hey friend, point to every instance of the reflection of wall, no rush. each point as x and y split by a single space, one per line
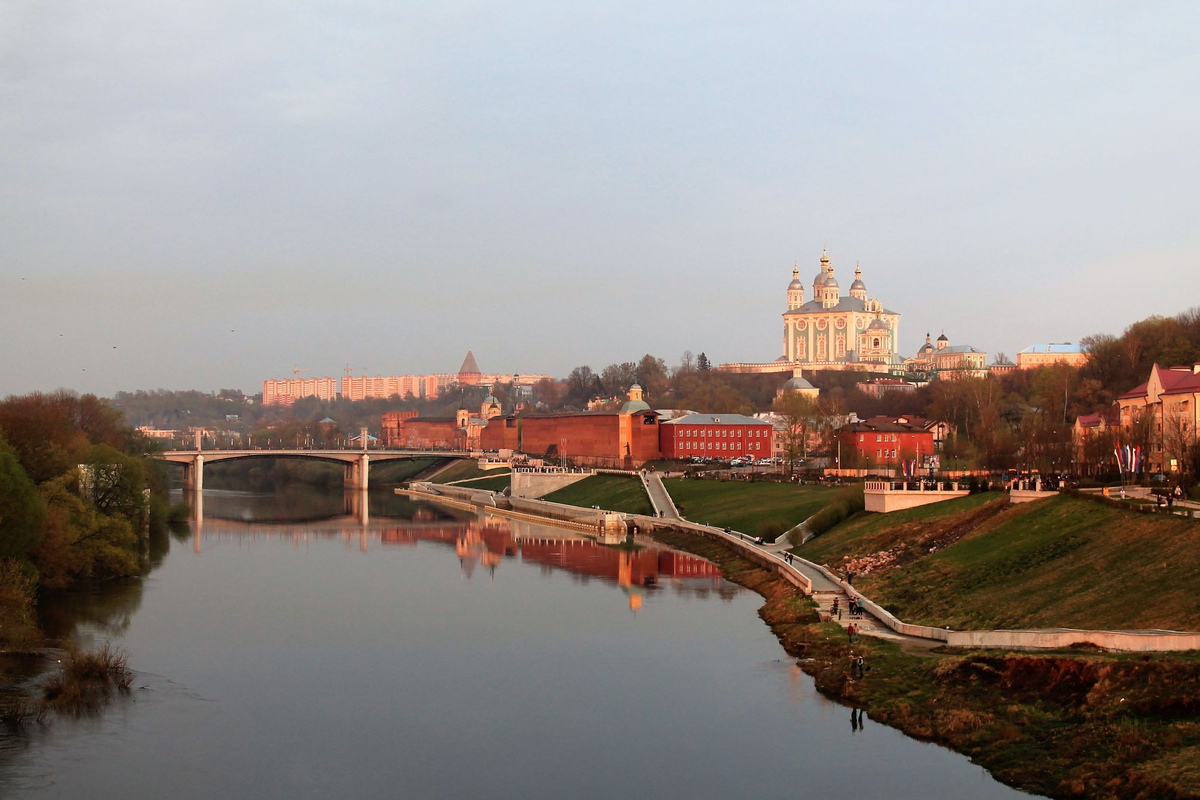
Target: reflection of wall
489 543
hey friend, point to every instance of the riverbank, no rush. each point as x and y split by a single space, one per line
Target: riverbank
1063 724
979 562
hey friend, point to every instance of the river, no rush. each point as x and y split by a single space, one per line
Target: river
291 645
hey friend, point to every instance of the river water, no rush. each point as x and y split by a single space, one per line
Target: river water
299 644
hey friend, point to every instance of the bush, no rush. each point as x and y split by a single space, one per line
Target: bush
845 503
769 531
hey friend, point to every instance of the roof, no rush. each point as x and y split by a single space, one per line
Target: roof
629 406
1053 347
845 303
891 425
327 421
715 419
958 348
468 366
1174 380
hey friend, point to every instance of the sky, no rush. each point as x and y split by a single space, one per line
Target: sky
202 195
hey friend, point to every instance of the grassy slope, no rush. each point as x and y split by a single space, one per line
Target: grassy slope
465 469
611 492
496 484
1061 562
400 471
742 505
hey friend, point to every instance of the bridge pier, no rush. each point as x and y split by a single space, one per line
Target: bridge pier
357 472
193 474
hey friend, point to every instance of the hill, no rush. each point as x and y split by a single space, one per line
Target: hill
744 506
979 562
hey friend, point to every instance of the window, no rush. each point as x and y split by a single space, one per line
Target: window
878 437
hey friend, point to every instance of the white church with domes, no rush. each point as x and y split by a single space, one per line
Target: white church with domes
836 331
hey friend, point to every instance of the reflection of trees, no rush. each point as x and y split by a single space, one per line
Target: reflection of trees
107 606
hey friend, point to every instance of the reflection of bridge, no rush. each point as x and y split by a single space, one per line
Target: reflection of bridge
357 463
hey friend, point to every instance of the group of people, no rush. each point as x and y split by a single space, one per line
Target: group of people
1170 498
852 632
858 666
854 608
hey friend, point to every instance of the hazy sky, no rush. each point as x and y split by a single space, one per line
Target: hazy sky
202 194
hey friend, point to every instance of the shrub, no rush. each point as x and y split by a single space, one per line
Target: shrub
845 503
769 531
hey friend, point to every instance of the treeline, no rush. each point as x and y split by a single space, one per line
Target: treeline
76 496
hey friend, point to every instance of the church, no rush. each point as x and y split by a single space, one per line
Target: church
836 331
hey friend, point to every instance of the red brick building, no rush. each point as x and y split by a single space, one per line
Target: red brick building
391 425
612 439
715 436
885 441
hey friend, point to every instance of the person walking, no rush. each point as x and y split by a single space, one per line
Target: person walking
850 633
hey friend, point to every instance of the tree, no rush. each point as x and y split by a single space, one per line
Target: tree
1003 359
687 362
702 362
652 375
581 385
21 511
800 415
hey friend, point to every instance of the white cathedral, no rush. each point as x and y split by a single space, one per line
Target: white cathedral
836 331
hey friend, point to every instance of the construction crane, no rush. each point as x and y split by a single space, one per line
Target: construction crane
349 369
296 370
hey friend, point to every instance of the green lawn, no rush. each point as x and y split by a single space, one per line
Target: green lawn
1060 562
610 492
867 532
742 505
494 484
466 469
400 471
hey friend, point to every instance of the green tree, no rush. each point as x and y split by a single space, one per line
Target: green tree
22 513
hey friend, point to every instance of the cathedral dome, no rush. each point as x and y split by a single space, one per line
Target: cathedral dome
858 284
795 284
943 337
797 383
878 325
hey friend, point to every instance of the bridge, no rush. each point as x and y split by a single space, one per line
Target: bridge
357 463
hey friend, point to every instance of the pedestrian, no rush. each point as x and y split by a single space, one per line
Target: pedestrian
857 629
853 663
850 633
861 667
835 610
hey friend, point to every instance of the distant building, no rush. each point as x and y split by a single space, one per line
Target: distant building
1167 407
877 387
1042 355
288 391
832 330
883 441
943 361
798 384
715 435
381 387
623 438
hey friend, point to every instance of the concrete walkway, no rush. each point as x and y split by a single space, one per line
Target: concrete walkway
660 498
824 591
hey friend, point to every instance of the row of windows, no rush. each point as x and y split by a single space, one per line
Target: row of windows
881 437
752 433
718 446
884 454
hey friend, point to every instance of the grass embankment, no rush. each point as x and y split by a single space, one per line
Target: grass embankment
389 472
465 469
978 562
743 505
1063 724
610 492
497 484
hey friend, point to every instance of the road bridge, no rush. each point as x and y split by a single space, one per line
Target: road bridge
357 463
